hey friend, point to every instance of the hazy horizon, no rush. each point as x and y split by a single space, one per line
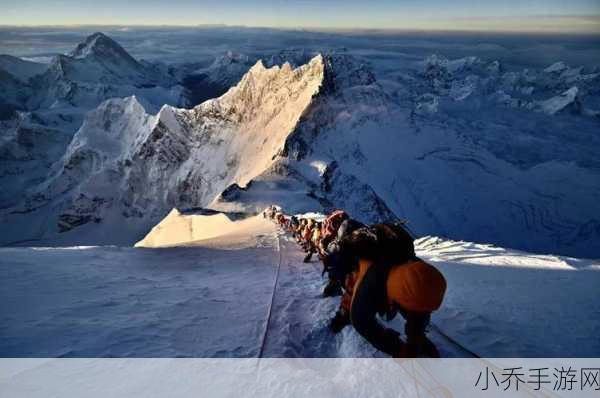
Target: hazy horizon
549 16
458 29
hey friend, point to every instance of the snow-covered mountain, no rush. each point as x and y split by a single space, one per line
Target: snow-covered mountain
14 94
446 173
21 69
228 69
215 79
442 152
15 89
42 106
125 165
96 70
99 69
555 89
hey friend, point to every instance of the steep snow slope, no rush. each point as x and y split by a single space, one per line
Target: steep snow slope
29 144
212 300
15 89
125 165
507 303
14 94
492 298
21 69
350 100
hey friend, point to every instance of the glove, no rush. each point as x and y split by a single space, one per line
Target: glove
332 289
397 347
339 322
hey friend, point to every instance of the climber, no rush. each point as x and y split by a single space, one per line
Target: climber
388 278
331 225
307 234
272 212
299 229
293 224
313 243
278 218
269 212
335 259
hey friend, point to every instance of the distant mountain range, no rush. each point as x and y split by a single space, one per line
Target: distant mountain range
459 148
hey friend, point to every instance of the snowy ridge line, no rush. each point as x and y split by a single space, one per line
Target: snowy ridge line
270 310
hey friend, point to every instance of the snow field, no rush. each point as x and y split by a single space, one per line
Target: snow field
212 299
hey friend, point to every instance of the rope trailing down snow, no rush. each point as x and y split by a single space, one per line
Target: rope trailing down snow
435 327
432 326
270 310
452 341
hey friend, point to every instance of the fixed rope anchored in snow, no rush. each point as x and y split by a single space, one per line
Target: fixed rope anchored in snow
435 327
451 340
270 310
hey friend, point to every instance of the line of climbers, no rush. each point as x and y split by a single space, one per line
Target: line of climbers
375 270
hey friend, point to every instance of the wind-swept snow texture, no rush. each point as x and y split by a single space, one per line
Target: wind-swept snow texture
212 300
506 303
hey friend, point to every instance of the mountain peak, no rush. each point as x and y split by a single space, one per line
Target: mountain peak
259 66
260 81
98 44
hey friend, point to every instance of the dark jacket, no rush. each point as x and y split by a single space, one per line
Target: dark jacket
337 261
414 289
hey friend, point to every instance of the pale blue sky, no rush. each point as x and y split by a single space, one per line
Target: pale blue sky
547 15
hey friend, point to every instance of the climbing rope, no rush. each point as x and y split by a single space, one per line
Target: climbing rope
452 341
432 325
270 309
276 280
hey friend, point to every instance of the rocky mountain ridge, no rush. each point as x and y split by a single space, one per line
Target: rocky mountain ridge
430 149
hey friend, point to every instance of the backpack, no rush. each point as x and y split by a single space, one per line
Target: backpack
386 244
396 243
340 259
294 221
347 227
331 224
